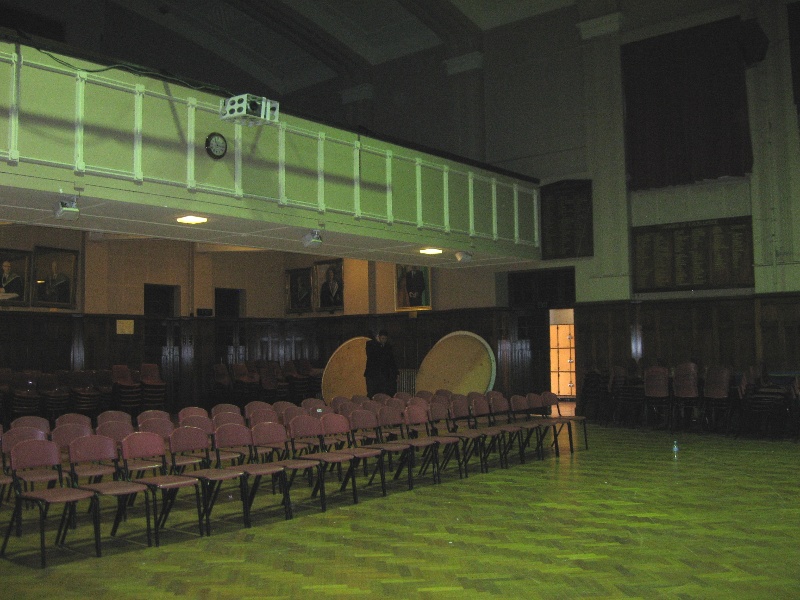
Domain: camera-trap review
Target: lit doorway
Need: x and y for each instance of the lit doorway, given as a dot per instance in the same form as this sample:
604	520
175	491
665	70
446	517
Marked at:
562	352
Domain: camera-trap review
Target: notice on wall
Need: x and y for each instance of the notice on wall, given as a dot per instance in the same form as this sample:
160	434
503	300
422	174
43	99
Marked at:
713	254
567	226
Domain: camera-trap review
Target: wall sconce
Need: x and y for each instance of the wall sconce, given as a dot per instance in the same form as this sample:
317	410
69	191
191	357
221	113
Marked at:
463	256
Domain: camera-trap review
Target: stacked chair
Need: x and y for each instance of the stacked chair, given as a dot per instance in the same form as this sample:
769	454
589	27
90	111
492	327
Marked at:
153	388
85	397
127	390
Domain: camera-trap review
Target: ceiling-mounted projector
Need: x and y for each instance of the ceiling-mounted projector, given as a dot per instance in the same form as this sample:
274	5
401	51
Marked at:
312	238
67	209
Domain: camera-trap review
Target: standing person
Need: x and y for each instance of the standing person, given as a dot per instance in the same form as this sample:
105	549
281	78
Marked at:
381	371
415	285
11	283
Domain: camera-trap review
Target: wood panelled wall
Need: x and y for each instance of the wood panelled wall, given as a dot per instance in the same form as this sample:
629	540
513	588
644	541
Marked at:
735	332
187	348
738	332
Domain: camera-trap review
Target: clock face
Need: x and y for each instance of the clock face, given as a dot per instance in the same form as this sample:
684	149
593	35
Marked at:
216	145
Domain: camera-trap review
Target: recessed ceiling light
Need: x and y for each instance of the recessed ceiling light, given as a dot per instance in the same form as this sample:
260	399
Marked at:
191	220
431	251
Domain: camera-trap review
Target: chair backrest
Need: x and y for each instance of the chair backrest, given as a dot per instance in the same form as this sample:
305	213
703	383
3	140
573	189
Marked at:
375	407
163	427
116	430
224	407
143	444
441	399
398	403
74	418
122	374
684	380
256	405
92	448
189	411
390	416
427	394
14	436
346	408
459	407
240	372
363	419
65	433
203	422
312	403
656	382
418	401
499	405
303	426
359	399
222	377
479	405
335	424
281	405
152	414
474	394
338	401
31	421
149	372
113	415
290	412
224	418
414	414
188	439
519	403
402	395
35	453
535	402
718	383
438	412
443	392
381	397
233	435
263	415
269	432
549	399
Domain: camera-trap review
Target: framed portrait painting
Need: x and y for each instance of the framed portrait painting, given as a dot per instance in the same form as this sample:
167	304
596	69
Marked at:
412	287
329	285
55	272
298	290
15	278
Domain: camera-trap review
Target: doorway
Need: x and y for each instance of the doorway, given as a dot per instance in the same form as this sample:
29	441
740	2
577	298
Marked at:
562	352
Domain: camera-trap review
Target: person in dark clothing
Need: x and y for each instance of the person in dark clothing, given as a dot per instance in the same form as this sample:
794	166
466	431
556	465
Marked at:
381	370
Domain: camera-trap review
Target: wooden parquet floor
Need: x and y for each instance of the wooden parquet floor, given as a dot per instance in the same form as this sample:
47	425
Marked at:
621	520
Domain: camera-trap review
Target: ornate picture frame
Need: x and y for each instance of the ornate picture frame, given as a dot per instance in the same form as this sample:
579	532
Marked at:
55	277
15	288
299	291
328	280
412	287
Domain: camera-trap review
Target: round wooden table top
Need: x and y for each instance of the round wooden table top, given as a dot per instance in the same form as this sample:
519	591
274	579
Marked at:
344	373
461	362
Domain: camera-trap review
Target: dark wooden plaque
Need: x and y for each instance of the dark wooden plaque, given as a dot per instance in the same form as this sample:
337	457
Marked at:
713	254
567	226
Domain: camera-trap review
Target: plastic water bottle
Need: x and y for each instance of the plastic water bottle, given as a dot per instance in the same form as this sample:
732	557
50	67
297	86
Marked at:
675	450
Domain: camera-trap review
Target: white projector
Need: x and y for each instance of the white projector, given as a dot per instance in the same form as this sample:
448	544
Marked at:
67	210
249	109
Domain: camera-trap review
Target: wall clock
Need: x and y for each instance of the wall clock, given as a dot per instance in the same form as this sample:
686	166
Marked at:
216	145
